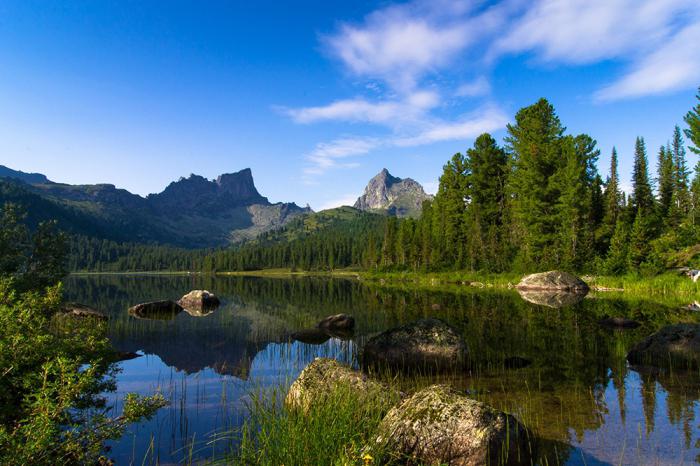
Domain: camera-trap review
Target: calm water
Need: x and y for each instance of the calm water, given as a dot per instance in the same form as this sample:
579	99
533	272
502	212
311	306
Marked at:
579	395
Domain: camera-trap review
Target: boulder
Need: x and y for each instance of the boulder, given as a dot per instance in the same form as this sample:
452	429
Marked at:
311	336
423	345
553	299
439	425
321	376
199	300
338	322
675	345
156	310
553	280
618	323
81	311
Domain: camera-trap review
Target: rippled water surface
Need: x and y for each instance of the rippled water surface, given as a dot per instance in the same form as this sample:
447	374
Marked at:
578	394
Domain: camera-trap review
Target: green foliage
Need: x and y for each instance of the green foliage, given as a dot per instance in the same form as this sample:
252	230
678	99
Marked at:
338	429
692	119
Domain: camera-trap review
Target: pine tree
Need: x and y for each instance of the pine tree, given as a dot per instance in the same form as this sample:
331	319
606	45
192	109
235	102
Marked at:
666	181
613	196
681	194
642	197
451	204
616	260
692	119
640	236
487	169
534	144
695	197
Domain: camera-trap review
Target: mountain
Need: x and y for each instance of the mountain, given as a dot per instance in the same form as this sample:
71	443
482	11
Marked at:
6	172
400	197
192	212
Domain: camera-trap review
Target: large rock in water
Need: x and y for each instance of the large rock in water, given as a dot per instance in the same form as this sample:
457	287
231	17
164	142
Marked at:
199	300
318	380
156	310
438	425
553	280
676	345
551	298
423	345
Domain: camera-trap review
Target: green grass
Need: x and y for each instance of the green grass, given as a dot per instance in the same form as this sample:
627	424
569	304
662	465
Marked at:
338	429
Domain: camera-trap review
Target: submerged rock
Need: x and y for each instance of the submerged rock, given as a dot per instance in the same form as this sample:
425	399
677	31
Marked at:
157	310
618	322
338	322
199	301
423	345
311	336
553	280
321	377
676	345
80	311
438	425
553	299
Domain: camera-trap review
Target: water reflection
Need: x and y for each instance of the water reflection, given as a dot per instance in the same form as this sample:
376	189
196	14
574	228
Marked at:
574	387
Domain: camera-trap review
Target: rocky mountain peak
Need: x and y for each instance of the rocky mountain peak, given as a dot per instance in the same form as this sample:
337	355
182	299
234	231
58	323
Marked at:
400	197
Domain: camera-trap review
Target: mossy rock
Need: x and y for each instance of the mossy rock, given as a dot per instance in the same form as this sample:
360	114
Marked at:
426	345
553	280
440	426
324	377
676	346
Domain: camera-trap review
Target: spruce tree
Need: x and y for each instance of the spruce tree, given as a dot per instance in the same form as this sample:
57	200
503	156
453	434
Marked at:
681	195
613	196
534	144
666	181
616	260
692	119
642	196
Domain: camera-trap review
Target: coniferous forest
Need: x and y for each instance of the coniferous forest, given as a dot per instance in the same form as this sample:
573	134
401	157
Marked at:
536	201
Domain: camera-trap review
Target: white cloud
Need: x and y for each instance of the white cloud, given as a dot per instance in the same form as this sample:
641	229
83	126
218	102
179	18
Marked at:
487	120
326	155
658	39
478	87
398	44
674	66
361	110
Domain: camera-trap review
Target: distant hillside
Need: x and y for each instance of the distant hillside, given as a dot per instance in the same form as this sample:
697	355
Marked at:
399	197
192	212
6	172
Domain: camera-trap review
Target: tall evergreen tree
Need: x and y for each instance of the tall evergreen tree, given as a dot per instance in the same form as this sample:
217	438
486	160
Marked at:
666	181
487	169
613	196
534	144
450	202
681	194
642	196
692	119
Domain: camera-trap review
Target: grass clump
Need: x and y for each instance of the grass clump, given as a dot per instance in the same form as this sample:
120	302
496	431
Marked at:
338	429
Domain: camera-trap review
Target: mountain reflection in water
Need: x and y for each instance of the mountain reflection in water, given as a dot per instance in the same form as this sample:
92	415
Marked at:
578	393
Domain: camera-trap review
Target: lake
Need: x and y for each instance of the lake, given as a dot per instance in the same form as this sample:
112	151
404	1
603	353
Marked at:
578	393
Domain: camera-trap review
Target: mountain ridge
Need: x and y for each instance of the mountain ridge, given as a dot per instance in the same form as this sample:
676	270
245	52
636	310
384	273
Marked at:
402	197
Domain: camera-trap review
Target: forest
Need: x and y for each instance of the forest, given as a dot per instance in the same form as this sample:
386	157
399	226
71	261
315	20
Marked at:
538	201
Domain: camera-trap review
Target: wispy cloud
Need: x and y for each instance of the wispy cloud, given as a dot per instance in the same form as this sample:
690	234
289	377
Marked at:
401	54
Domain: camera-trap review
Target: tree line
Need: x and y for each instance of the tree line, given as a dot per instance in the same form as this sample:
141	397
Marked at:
535	202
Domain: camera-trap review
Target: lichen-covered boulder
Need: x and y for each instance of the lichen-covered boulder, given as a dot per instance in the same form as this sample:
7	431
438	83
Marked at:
199	300
440	426
553	280
551	298
424	345
80	311
676	345
338	322
156	310
322	376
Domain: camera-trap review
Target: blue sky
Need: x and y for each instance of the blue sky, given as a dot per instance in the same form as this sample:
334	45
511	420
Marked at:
317	96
